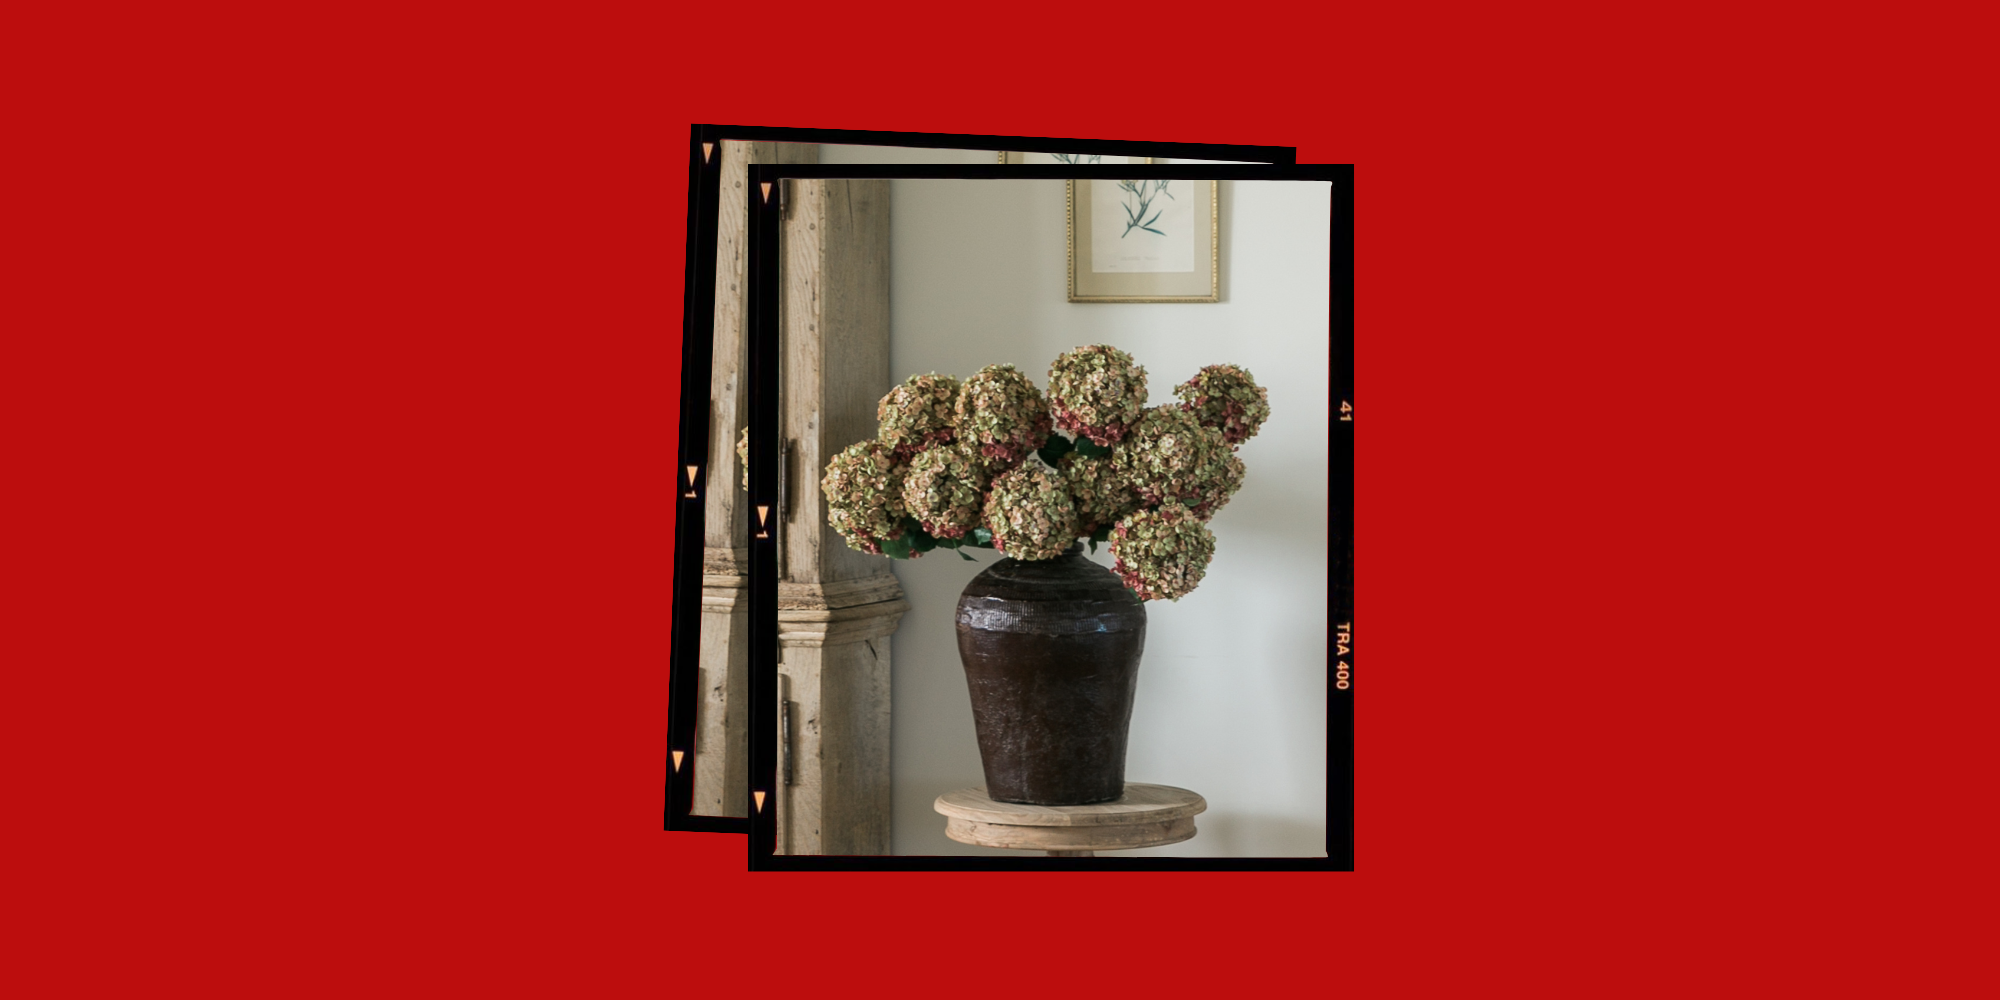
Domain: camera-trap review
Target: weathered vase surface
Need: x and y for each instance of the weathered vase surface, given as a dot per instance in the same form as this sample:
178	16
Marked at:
1051	650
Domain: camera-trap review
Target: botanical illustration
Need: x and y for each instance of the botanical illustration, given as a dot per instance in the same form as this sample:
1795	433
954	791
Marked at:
1140	226
992	462
1139	198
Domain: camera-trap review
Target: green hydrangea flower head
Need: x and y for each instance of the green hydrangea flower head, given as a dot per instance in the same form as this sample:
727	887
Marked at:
1225	398
1096	392
864	495
1001	417
1101	495
942	491
1030	513
1162	553
1169	457
918	414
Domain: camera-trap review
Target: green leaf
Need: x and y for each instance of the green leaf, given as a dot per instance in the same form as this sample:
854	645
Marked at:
1090	449
897	548
1102	534
982	538
967	558
1054	449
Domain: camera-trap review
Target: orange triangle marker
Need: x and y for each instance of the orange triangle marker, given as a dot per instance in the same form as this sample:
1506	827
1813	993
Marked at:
691	469
760	800
763	513
677	760
767	190
706	149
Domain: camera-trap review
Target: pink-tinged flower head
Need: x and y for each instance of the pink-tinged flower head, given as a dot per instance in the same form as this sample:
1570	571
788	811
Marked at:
1162	553
1096	392
1001	417
1170	458
942	491
863	487
1100	493
918	414
1030	513
1224	397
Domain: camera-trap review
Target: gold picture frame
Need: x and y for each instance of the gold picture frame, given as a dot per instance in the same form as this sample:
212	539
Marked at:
1089	283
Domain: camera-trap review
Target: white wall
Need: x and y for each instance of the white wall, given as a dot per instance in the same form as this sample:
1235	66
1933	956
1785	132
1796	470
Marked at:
1232	690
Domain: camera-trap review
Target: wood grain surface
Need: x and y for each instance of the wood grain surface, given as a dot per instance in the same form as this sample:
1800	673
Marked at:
1145	816
1070	838
1140	804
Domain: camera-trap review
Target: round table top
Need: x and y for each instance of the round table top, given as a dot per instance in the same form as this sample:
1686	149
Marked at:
1140	804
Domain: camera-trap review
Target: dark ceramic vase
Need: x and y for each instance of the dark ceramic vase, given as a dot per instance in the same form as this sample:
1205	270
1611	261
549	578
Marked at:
1051	650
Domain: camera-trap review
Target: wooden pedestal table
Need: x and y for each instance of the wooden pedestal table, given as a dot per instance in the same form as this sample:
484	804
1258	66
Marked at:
1146	816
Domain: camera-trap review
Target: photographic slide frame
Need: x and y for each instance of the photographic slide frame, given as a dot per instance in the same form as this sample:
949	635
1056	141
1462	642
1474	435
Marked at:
764	379
697	360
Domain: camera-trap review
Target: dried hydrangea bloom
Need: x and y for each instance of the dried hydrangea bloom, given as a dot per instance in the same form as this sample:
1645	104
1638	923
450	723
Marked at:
1001	417
1225	398
1030	513
1170	456
1216	492
1162	553
942	491
1101	495
743	456
918	414
1097	392
864	495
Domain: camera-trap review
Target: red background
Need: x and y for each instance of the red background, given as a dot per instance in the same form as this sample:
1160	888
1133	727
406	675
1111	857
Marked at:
342	398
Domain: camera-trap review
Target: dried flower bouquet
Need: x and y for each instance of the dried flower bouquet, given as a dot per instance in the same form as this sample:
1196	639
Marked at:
991	462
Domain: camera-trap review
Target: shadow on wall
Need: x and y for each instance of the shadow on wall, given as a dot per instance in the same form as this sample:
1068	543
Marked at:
1243	835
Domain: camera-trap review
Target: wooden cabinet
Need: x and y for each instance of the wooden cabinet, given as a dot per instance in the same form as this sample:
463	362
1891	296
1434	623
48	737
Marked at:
837	607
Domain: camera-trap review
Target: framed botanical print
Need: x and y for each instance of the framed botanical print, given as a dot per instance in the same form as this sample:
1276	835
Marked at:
1149	240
